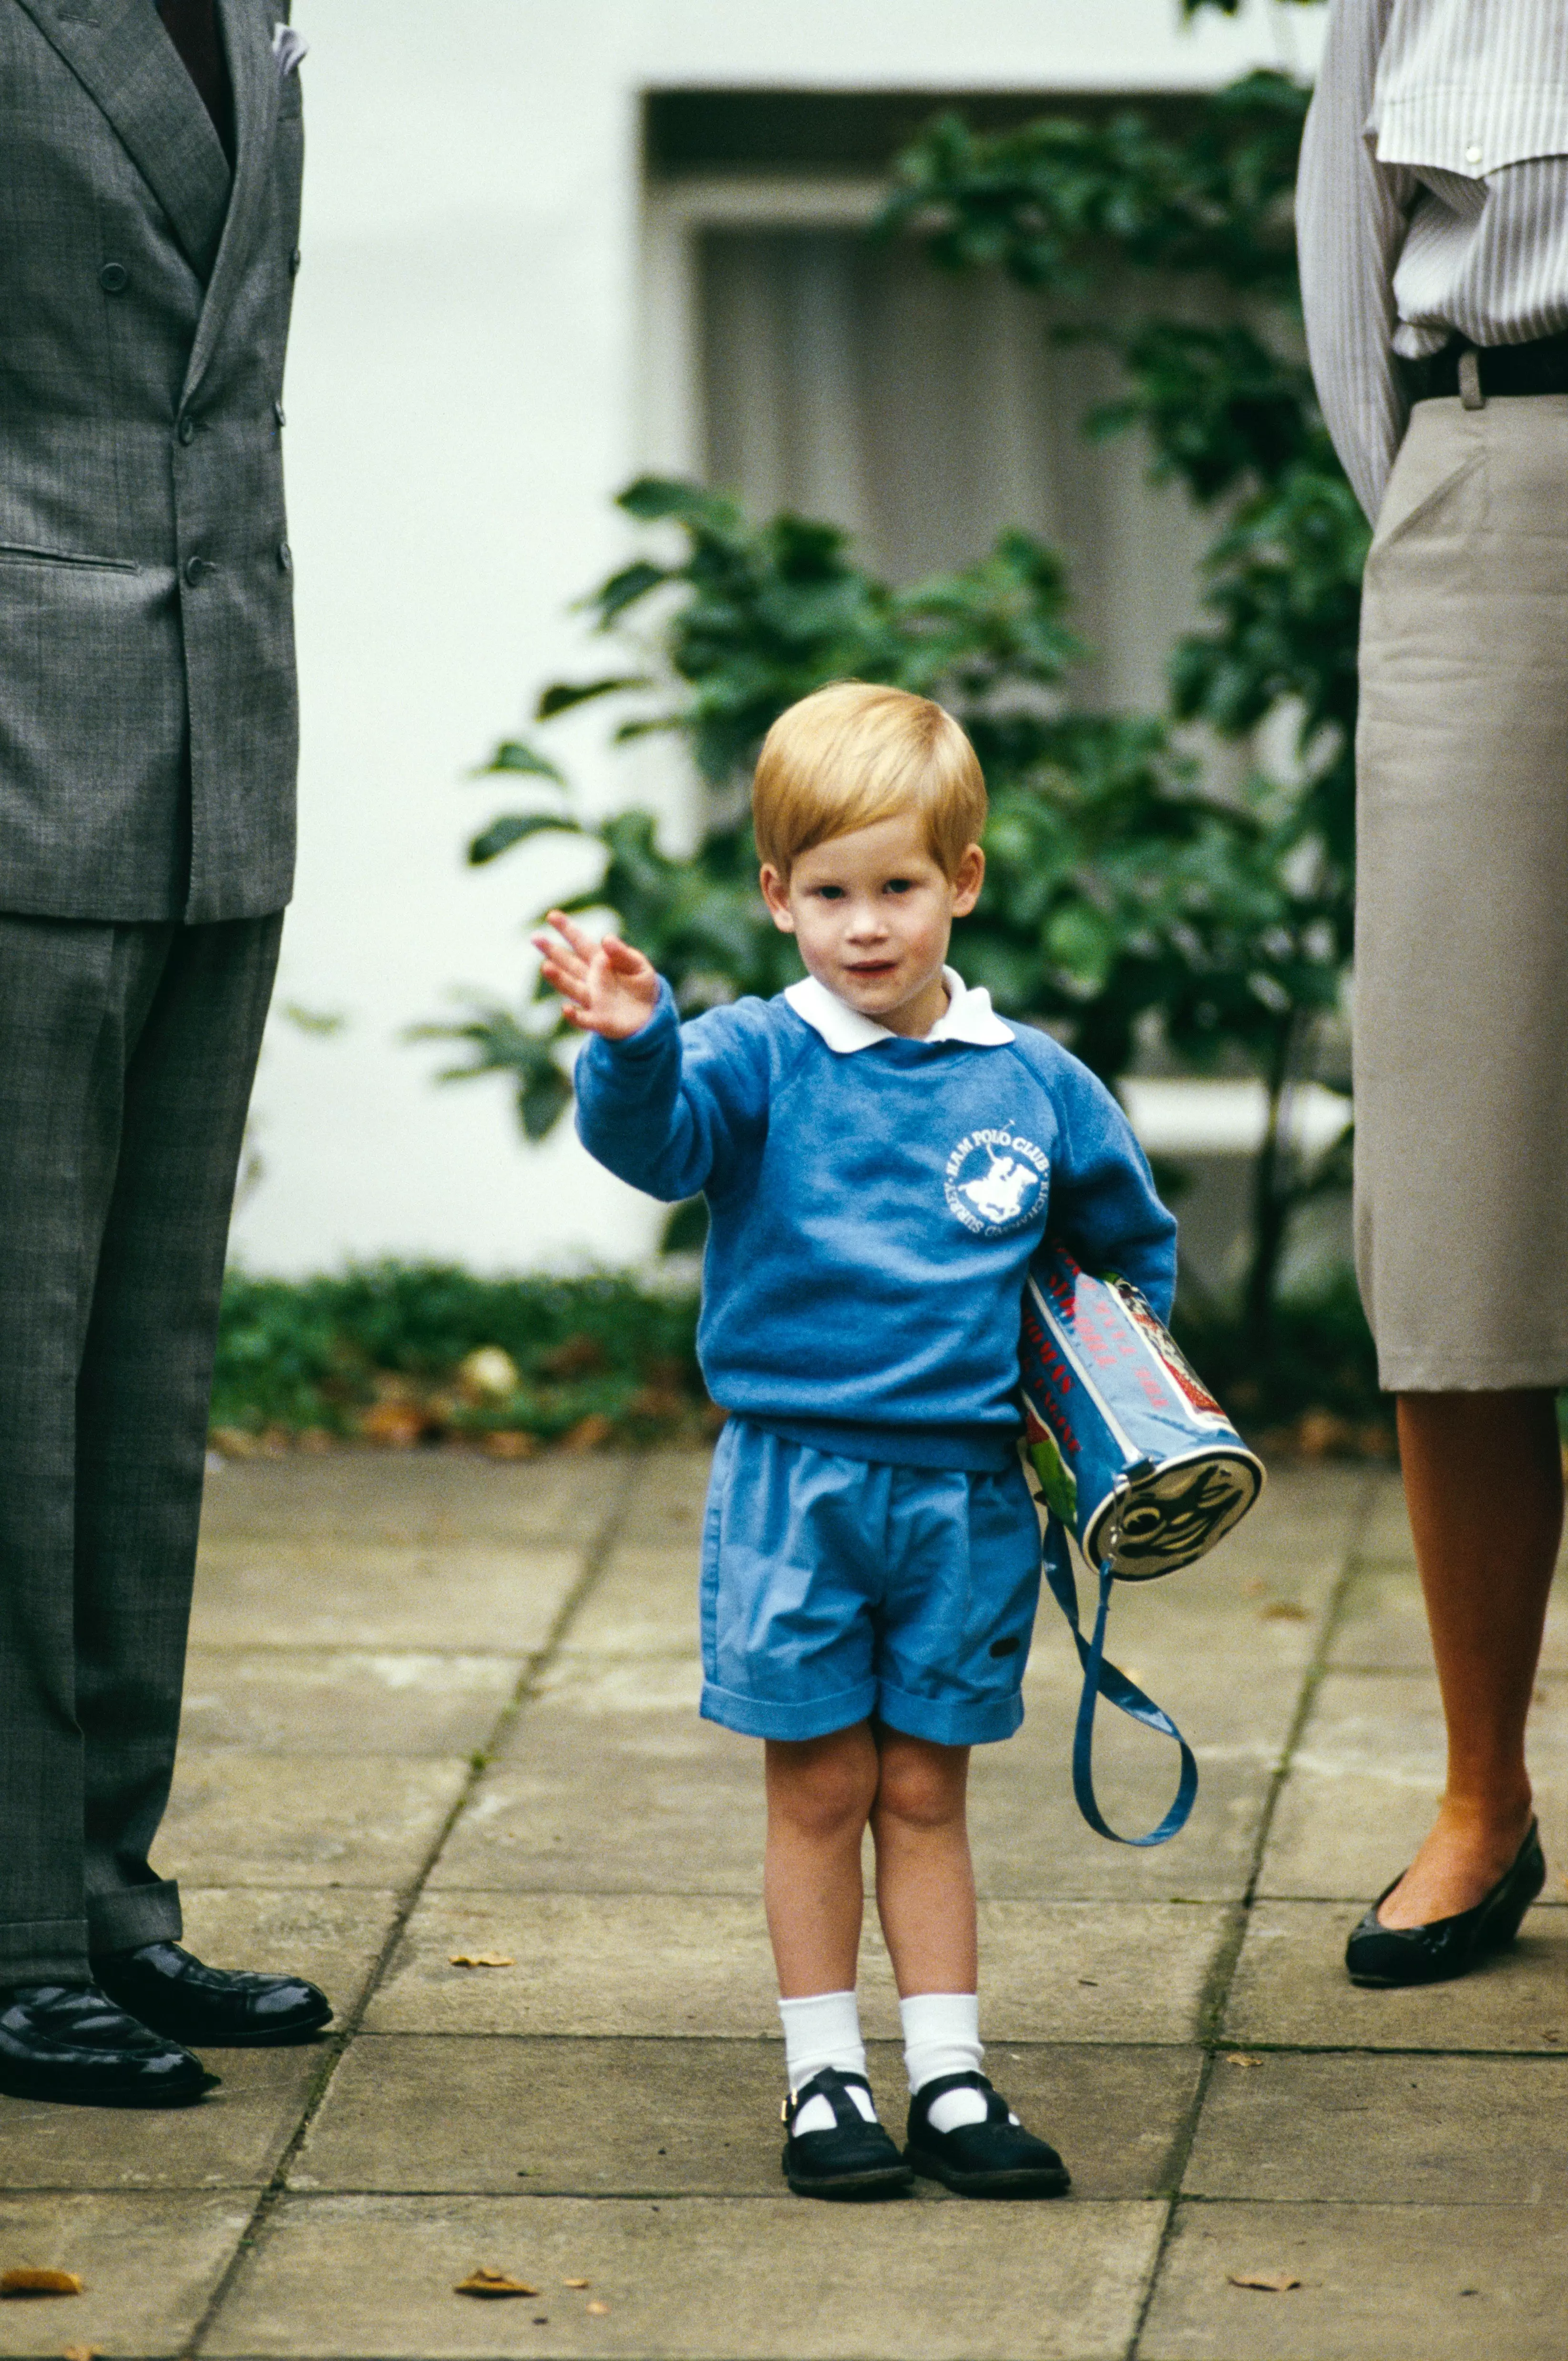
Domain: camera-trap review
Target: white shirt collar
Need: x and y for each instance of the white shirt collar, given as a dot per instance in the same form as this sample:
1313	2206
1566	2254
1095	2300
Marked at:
969	1016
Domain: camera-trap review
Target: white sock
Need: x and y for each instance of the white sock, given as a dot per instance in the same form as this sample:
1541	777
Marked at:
941	2035
824	2030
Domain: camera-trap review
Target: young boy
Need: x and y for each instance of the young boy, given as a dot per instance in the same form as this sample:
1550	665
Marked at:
880	1156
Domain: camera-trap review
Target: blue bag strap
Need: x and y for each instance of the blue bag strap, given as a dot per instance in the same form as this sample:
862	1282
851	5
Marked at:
1101	1679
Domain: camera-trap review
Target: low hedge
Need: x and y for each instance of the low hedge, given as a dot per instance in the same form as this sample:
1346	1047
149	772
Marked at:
401	1354
398	1354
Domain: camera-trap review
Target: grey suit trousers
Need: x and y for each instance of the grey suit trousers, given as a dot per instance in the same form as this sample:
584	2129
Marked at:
126	1056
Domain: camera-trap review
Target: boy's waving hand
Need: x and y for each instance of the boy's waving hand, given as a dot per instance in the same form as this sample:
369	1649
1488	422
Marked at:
607	987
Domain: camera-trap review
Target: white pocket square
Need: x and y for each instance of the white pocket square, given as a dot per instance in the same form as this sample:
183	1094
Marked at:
288	47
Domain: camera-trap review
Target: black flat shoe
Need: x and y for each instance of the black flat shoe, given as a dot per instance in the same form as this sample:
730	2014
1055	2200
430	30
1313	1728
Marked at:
854	2159
1383	1957
995	2159
69	2043
221	2008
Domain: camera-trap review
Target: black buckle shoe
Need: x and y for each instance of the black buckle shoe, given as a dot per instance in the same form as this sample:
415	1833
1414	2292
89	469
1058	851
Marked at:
854	2159
1383	1956
995	2159
69	2043
222	2008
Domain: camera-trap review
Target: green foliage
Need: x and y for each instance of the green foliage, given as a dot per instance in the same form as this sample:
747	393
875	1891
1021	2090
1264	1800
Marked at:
320	1353
1123	891
600	1359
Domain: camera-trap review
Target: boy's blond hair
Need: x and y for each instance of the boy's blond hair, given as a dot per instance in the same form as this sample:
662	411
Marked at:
854	753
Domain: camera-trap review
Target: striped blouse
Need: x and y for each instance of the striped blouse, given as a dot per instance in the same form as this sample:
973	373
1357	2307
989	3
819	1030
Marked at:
1432	201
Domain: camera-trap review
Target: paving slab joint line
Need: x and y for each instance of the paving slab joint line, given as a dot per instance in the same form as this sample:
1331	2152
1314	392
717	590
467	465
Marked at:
594	1560
1217	1987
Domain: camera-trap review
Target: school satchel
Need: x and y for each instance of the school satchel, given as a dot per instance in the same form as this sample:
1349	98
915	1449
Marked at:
1131	1453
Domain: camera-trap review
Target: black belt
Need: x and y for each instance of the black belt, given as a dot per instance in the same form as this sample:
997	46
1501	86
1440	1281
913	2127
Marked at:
1540	367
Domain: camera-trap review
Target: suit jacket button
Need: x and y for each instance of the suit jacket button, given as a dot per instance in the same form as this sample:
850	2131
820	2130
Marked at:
294	263
196	568
114	279
285	558
186	430
278	416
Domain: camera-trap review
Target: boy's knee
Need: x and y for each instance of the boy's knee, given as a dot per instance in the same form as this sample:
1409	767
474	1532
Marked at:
824	1787
920	1786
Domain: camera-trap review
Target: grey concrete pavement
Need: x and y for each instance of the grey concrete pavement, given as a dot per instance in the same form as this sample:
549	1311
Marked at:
442	1705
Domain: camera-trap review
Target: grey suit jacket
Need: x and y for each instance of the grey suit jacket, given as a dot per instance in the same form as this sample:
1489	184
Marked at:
148	721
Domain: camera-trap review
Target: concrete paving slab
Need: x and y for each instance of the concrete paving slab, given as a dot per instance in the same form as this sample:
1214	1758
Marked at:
1365	1780
344	1701
656	2118
333	1593
150	2265
416	1497
1385	1534
667	1965
1307	1521
615	1797
334	1937
231	2140
323	1819
1350	2129
664	1501
1290	1989
738	2279
644	1604
1382	1625
1448	2283
1028	1836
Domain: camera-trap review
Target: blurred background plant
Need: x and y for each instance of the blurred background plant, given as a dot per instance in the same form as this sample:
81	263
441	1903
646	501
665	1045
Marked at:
398	1354
1159	887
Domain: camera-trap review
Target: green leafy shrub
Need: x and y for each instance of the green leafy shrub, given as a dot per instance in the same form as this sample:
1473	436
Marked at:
379	1351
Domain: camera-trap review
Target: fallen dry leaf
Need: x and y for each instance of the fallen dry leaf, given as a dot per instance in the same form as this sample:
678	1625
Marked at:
81	2353
31	2282
399	1425
510	1443
1285	1611
600	2308
577	2283
1239	2058
488	2282
1270	2282
588	1432
1255	1586
482	1959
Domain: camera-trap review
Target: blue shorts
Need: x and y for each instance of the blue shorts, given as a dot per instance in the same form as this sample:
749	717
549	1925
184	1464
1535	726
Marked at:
836	1589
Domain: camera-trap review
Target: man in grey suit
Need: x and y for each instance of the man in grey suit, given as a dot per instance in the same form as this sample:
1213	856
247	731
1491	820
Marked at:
149	195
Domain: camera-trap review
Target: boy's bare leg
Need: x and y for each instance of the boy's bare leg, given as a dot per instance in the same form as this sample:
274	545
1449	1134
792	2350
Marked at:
1484	1483
819	1793
924	1880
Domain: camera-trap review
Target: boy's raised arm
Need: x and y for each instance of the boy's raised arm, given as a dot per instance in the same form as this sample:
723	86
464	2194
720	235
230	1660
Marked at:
669	1108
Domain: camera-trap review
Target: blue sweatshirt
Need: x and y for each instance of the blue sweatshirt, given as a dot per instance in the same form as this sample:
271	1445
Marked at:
875	1203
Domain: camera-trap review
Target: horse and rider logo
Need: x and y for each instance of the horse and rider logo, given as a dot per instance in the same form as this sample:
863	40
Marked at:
995	1181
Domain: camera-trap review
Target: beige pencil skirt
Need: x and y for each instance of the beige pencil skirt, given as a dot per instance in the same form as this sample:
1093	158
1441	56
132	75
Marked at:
1461	1054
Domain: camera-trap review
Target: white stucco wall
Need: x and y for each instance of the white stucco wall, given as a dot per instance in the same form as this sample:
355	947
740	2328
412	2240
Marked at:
462	400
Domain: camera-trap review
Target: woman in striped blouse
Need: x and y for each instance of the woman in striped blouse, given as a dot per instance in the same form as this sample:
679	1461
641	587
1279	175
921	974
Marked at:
1433	207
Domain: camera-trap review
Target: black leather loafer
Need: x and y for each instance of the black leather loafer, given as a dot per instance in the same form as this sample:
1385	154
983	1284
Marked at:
854	2159
70	2044
221	2008
1383	1957
995	2159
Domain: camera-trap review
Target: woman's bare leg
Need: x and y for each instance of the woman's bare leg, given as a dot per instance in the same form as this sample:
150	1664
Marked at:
1484	1484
